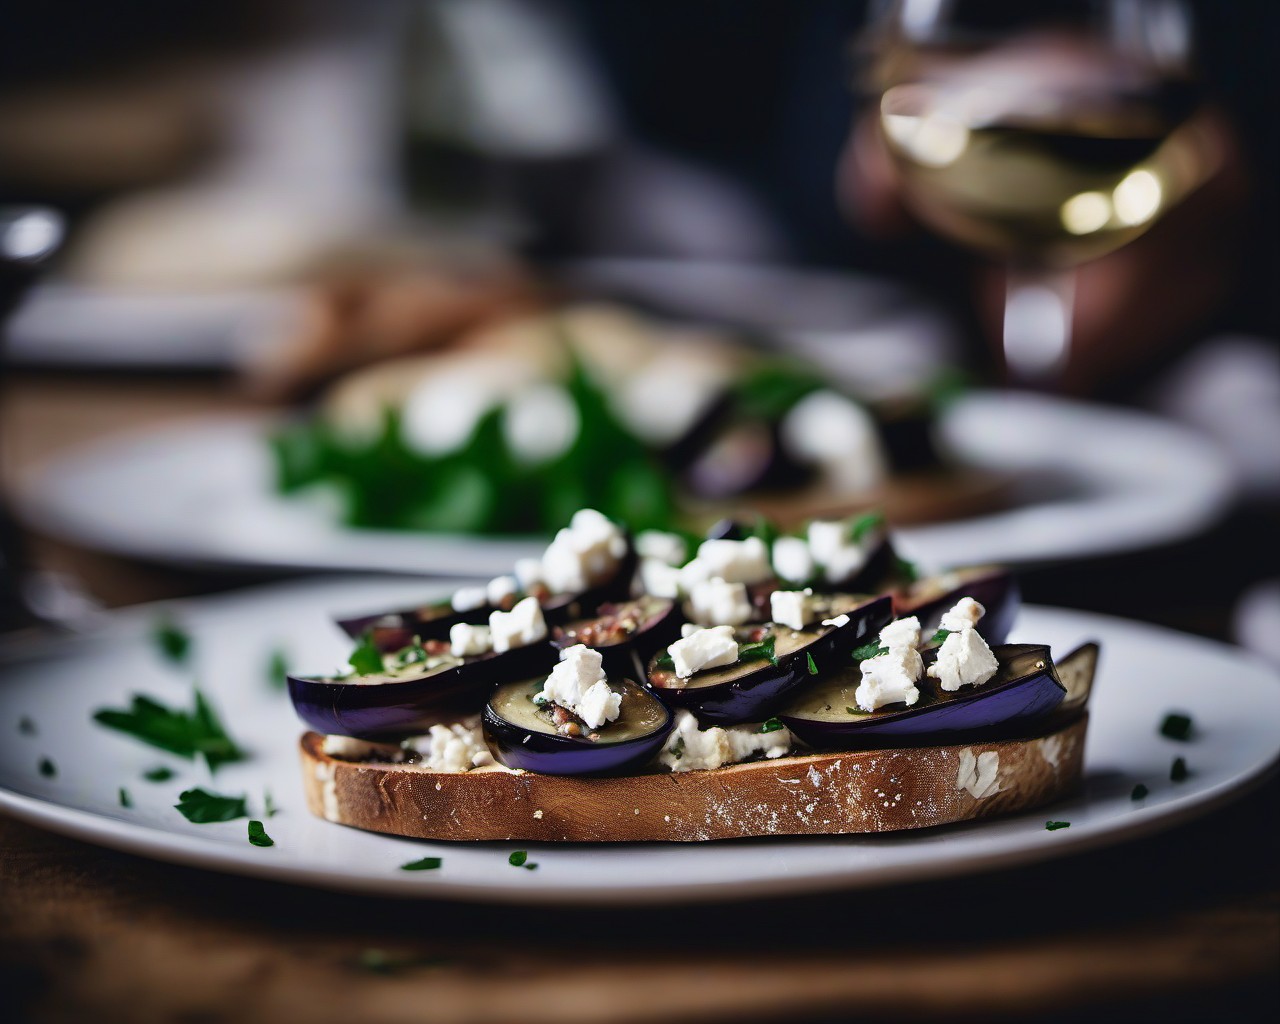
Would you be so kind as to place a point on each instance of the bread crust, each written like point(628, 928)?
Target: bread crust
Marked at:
point(811, 794)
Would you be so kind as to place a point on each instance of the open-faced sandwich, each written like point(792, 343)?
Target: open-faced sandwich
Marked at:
point(617, 689)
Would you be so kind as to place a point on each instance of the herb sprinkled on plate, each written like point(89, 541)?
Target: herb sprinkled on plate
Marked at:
point(1178, 770)
point(258, 835)
point(278, 669)
point(201, 807)
point(26, 726)
point(173, 642)
point(424, 864)
point(160, 773)
point(1053, 826)
point(47, 768)
point(520, 859)
point(125, 799)
point(1140, 792)
point(189, 734)
point(1176, 726)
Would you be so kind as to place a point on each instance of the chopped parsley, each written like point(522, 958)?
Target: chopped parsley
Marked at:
point(173, 643)
point(258, 835)
point(939, 636)
point(851, 711)
point(26, 726)
point(770, 725)
point(813, 665)
point(871, 650)
point(762, 651)
point(665, 661)
point(366, 659)
point(677, 748)
point(907, 569)
point(1178, 771)
point(188, 734)
point(425, 864)
point(865, 524)
point(1176, 726)
point(47, 768)
point(278, 669)
point(1053, 826)
point(1140, 792)
point(125, 800)
point(520, 859)
point(160, 773)
point(269, 808)
point(201, 807)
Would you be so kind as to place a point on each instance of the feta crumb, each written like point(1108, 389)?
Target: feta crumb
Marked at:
point(964, 659)
point(901, 633)
point(834, 550)
point(705, 648)
point(964, 615)
point(537, 815)
point(584, 553)
point(735, 561)
point(839, 435)
point(454, 748)
point(890, 679)
point(689, 628)
point(465, 640)
point(659, 579)
point(466, 599)
point(521, 626)
point(500, 588)
point(716, 602)
point(578, 684)
point(840, 620)
point(792, 559)
point(792, 608)
point(668, 548)
point(689, 748)
point(529, 573)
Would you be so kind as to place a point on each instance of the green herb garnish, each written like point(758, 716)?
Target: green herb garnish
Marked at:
point(871, 650)
point(171, 641)
point(185, 733)
point(125, 800)
point(1139, 792)
point(939, 636)
point(269, 808)
point(851, 711)
point(47, 768)
point(865, 524)
point(366, 659)
point(1053, 826)
point(26, 726)
point(161, 773)
point(908, 570)
point(278, 669)
point(677, 748)
point(1176, 726)
point(425, 864)
point(813, 665)
point(665, 661)
point(1178, 771)
point(762, 651)
point(770, 725)
point(258, 835)
point(520, 859)
point(201, 807)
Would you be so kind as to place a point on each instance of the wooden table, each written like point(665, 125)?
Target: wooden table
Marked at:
point(1184, 926)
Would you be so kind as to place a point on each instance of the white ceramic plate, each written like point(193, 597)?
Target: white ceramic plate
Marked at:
point(201, 493)
point(1234, 700)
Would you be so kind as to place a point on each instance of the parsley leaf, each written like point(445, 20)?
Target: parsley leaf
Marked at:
point(47, 768)
point(1139, 792)
point(171, 641)
point(200, 807)
point(26, 726)
point(161, 773)
point(939, 636)
point(366, 659)
point(665, 661)
point(1178, 772)
point(813, 665)
point(677, 748)
point(762, 651)
point(1053, 826)
point(851, 711)
point(864, 524)
point(425, 864)
point(258, 835)
point(1176, 726)
point(185, 733)
point(871, 650)
point(518, 858)
point(278, 669)
point(770, 725)
point(906, 569)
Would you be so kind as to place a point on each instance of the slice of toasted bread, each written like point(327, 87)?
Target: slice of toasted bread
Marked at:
point(812, 794)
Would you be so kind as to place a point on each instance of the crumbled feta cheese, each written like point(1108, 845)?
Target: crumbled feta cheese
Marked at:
point(792, 608)
point(964, 659)
point(840, 436)
point(454, 748)
point(521, 626)
point(689, 748)
point(659, 579)
point(584, 553)
point(705, 648)
point(890, 679)
point(735, 561)
point(833, 549)
point(348, 748)
point(529, 573)
point(539, 423)
point(578, 684)
point(901, 633)
point(840, 620)
point(466, 640)
point(467, 599)
point(718, 603)
point(843, 563)
point(689, 628)
point(964, 615)
point(500, 588)
point(792, 559)
point(665, 547)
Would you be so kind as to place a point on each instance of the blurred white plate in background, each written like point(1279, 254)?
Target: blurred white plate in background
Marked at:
point(1234, 746)
point(1099, 481)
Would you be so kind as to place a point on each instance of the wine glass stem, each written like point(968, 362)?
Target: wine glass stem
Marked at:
point(1037, 323)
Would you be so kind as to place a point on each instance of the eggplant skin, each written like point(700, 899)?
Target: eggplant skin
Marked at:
point(395, 710)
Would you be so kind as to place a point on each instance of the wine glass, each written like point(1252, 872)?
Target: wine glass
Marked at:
point(1043, 134)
